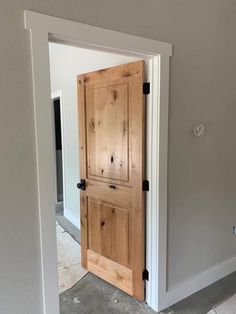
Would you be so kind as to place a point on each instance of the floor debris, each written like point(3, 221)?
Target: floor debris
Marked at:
point(76, 300)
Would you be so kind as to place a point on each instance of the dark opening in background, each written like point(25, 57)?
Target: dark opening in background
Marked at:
point(58, 143)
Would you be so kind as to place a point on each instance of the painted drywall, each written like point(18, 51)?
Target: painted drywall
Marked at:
point(202, 171)
point(66, 62)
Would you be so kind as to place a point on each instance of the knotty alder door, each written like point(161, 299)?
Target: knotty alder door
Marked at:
point(112, 150)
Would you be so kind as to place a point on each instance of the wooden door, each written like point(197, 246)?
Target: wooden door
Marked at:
point(112, 150)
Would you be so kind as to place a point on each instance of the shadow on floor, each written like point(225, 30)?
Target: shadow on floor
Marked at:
point(92, 295)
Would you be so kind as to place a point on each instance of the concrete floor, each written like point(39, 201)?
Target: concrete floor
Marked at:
point(92, 295)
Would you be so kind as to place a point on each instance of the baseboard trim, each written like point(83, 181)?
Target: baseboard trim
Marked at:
point(197, 283)
point(74, 220)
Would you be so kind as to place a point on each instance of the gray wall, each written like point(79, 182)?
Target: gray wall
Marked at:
point(202, 172)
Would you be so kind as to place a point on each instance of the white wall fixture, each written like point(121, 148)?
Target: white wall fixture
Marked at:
point(44, 28)
point(199, 130)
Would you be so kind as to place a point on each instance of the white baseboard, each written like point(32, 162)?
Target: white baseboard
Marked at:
point(197, 283)
point(72, 218)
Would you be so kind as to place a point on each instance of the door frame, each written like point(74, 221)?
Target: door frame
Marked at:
point(44, 28)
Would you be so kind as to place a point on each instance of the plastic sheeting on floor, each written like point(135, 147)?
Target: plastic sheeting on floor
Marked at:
point(226, 307)
point(70, 270)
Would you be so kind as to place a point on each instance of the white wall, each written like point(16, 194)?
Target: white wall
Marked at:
point(66, 62)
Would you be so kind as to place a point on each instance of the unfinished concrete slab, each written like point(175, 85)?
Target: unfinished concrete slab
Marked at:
point(92, 295)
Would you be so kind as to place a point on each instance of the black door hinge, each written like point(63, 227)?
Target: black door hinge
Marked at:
point(145, 185)
point(146, 88)
point(145, 274)
point(82, 185)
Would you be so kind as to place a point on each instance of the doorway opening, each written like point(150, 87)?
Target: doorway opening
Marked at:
point(56, 101)
point(68, 235)
point(68, 64)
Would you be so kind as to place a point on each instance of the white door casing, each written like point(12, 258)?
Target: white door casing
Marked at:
point(44, 28)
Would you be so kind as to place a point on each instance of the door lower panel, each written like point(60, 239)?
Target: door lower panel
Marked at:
point(116, 274)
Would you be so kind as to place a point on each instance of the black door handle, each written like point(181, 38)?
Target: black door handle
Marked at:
point(82, 185)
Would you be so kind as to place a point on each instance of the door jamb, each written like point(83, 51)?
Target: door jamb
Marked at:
point(44, 28)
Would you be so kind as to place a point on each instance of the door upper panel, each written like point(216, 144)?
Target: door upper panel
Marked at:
point(107, 114)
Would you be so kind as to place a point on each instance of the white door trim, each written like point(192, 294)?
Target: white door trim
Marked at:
point(44, 28)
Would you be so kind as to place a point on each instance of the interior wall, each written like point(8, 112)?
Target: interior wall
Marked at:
point(66, 62)
point(202, 171)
